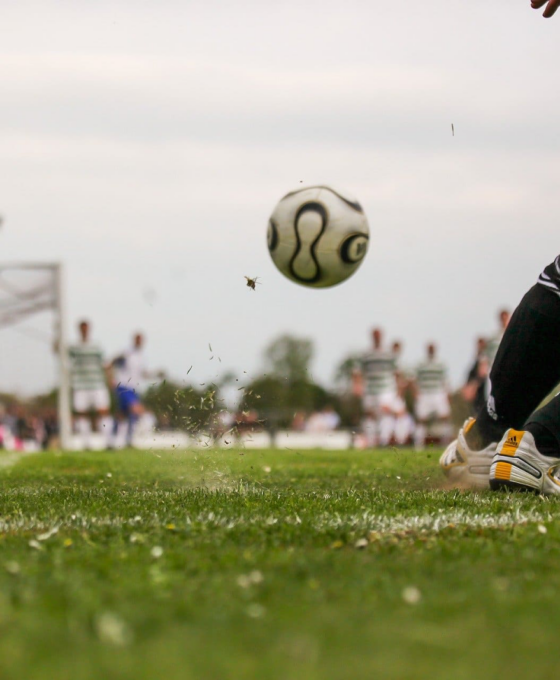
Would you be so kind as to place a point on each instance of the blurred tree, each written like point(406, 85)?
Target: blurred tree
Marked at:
point(48, 400)
point(344, 370)
point(7, 399)
point(287, 385)
point(289, 357)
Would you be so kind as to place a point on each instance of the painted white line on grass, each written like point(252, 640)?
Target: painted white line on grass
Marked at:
point(366, 523)
point(432, 524)
point(10, 458)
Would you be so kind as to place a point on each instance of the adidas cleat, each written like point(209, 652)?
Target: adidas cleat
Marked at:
point(517, 464)
point(465, 467)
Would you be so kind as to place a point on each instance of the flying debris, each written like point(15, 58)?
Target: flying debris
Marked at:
point(252, 283)
point(452, 129)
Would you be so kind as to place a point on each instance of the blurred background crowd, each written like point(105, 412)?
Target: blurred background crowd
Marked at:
point(375, 397)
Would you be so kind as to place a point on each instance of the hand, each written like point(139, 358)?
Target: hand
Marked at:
point(551, 6)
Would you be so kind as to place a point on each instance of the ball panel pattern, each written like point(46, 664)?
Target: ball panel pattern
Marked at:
point(309, 225)
point(318, 237)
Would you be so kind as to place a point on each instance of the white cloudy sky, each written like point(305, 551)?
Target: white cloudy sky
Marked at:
point(145, 143)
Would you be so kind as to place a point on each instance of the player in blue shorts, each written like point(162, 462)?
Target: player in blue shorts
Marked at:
point(128, 372)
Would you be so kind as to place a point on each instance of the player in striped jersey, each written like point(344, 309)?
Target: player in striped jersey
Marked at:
point(378, 368)
point(432, 395)
point(90, 394)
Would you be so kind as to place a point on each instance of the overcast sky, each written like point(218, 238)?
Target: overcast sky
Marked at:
point(144, 144)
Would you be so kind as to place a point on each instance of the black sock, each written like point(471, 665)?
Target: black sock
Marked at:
point(484, 431)
point(546, 441)
point(526, 368)
point(544, 425)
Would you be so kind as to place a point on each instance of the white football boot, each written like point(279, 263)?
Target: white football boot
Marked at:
point(517, 464)
point(464, 467)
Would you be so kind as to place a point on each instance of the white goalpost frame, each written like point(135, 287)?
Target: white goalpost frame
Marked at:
point(60, 343)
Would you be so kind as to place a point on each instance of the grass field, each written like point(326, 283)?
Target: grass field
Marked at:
point(270, 565)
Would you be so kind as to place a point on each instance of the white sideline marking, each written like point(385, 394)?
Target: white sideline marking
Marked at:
point(10, 458)
point(367, 521)
point(381, 525)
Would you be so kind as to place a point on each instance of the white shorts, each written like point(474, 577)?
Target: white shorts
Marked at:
point(386, 400)
point(85, 401)
point(432, 405)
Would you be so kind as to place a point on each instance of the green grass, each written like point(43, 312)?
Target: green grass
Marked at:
point(248, 565)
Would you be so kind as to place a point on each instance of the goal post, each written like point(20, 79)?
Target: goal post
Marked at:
point(28, 289)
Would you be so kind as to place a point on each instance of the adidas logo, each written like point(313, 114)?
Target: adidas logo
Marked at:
point(512, 442)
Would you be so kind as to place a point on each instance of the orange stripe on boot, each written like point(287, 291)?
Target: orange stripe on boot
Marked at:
point(503, 471)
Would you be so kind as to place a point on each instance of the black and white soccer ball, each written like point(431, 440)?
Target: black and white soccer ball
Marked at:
point(317, 236)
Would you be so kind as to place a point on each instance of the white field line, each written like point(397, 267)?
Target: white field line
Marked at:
point(10, 458)
point(478, 516)
point(366, 523)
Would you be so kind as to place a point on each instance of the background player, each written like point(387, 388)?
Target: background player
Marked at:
point(474, 390)
point(432, 400)
point(380, 391)
point(403, 425)
point(90, 395)
point(128, 372)
point(493, 342)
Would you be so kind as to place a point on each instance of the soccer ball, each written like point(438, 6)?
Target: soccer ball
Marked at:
point(317, 236)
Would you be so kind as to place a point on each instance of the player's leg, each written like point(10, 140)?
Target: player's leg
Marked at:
point(369, 422)
point(105, 423)
point(442, 410)
point(422, 413)
point(402, 428)
point(420, 433)
point(132, 407)
point(526, 369)
point(136, 412)
point(370, 430)
point(386, 428)
point(124, 400)
point(529, 459)
point(386, 418)
point(82, 421)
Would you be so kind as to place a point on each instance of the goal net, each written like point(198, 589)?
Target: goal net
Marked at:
point(33, 350)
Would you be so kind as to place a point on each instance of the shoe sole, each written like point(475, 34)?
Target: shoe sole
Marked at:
point(506, 485)
point(514, 475)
